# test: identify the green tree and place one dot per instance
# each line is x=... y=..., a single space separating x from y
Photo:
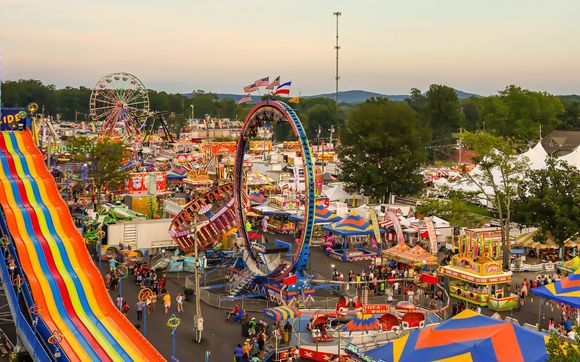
x=560 y=350
x=323 y=117
x=571 y=116
x=454 y=210
x=550 y=199
x=417 y=101
x=381 y=149
x=443 y=111
x=103 y=160
x=497 y=178
x=471 y=114
x=519 y=113
x=176 y=123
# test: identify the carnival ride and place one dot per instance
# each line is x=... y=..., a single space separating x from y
x=217 y=221
x=61 y=308
x=272 y=279
x=119 y=102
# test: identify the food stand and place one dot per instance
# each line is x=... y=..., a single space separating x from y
x=479 y=280
x=415 y=256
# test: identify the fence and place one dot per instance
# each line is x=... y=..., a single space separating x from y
x=258 y=305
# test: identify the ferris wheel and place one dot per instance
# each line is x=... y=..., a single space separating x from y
x=119 y=104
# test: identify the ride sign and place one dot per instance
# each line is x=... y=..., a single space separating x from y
x=376 y=308
x=11 y=118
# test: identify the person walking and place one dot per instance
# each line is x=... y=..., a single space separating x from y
x=179 y=299
x=238 y=353
x=125 y=308
x=167 y=302
x=120 y=301
x=139 y=309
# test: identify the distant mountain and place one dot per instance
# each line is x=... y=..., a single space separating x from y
x=351 y=96
x=359 y=96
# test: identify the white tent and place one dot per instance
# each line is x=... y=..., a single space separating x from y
x=573 y=158
x=536 y=156
x=337 y=193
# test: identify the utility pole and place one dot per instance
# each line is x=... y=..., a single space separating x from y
x=337 y=14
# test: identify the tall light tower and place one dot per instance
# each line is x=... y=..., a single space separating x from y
x=337 y=14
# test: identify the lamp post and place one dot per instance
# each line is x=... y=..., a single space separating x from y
x=145 y=295
x=173 y=323
x=35 y=312
x=197 y=317
x=121 y=272
x=84 y=176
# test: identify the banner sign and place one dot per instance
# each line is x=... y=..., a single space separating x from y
x=396 y=226
x=375 y=224
x=432 y=235
x=12 y=118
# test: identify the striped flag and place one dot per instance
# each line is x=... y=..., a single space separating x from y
x=246 y=99
x=262 y=82
x=251 y=88
x=275 y=82
x=283 y=88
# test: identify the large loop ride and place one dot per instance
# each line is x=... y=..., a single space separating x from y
x=275 y=112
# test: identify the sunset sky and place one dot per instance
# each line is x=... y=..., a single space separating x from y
x=387 y=46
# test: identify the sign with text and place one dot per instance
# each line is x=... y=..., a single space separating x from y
x=377 y=308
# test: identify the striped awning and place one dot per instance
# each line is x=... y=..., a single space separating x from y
x=282 y=313
x=527 y=240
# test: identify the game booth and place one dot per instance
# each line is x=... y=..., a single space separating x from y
x=414 y=256
x=322 y=217
x=351 y=239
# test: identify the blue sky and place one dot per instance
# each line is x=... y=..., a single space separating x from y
x=387 y=46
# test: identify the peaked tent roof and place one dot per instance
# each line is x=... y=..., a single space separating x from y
x=321 y=215
x=536 y=156
x=257 y=198
x=565 y=290
x=573 y=158
x=351 y=225
x=467 y=336
x=177 y=172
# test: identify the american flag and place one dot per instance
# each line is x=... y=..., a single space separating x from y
x=251 y=88
x=274 y=83
x=247 y=98
x=262 y=82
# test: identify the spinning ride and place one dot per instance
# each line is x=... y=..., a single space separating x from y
x=118 y=103
x=215 y=221
x=274 y=112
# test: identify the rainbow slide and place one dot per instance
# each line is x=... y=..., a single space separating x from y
x=67 y=289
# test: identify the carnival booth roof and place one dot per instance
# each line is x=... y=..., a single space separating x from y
x=468 y=336
x=321 y=215
x=415 y=255
x=565 y=290
x=527 y=240
x=573 y=263
x=351 y=225
x=257 y=198
x=282 y=313
x=177 y=172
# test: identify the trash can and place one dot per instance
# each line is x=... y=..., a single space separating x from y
x=188 y=293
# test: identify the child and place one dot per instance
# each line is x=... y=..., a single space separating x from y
x=179 y=299
x=167 y=302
